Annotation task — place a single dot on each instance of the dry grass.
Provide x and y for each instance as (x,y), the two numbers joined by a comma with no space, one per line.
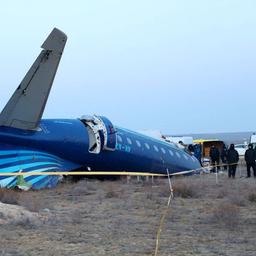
(122,218)
(222,192)
(9,196)
(226,214)
(237,199)
(82,188)
(148,191)
(25,223)
(186,189)
(92,185)
(112,190)
(28,200)
(252,197)
(32,203)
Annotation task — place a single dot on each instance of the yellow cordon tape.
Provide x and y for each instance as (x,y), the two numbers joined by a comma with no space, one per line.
(171,196)
(123,173)
(167,208)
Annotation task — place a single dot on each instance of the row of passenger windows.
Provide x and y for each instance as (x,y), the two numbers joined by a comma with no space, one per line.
(139,144)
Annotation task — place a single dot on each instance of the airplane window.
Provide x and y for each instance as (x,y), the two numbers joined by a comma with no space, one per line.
(185,157)
(129,141)
(147,146)
(178,154)
(138,143)
(170,152)
(163,150)
(156,148)
(119,139)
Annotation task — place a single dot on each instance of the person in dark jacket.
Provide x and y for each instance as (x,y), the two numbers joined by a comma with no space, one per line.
(249,158)
(191,149)
(232,159)
(223,156)
(215,158)
(198,152)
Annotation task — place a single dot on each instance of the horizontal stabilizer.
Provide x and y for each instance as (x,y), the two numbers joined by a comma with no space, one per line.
(25,108)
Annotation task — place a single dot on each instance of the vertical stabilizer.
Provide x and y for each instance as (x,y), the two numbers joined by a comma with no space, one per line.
(25,108)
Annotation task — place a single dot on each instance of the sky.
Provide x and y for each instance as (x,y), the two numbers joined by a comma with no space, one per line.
(178,66)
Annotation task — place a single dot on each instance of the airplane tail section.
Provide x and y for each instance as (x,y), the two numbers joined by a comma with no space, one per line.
(25,108)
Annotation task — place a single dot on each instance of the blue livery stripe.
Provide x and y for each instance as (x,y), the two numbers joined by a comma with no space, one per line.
(8,156)
(26,152)
(6,181)
(18,160)
(35,178)
(24,166)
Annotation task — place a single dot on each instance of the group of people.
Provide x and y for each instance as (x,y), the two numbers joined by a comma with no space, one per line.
(229,158)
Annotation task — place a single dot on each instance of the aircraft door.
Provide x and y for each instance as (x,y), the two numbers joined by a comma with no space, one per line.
(110,136)
(102,134)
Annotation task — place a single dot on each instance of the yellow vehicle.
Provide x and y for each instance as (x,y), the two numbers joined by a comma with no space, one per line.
(206,146)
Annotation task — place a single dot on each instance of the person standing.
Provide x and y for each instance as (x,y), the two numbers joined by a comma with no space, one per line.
(181,145)
(215,158)
(249,158)
(223,156)
(198,152)
(191,149)
(232,159)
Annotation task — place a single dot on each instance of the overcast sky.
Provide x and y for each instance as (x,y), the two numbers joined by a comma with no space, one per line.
(171,65)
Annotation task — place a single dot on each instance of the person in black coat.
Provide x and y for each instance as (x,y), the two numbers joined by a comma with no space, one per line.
(223,156)
(249,158)
(232,159)
(215,158)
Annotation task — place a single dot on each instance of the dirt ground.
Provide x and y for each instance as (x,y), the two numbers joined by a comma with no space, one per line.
(93,217)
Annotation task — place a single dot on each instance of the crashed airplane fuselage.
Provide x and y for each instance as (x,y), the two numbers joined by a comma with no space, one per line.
(92,143)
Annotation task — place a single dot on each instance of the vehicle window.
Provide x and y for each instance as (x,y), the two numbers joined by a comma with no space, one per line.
(240,146)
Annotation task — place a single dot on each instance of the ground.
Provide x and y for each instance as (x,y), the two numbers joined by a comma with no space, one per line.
(93,217)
